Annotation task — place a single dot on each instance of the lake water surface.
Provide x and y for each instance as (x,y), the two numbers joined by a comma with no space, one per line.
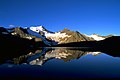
(63,62)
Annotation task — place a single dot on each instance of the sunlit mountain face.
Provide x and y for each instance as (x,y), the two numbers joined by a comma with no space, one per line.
(36,52)
(40,33)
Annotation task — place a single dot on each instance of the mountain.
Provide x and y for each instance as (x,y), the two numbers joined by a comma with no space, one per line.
(66,35)
(18,41)
(27,34)
(40,29)
(41,34)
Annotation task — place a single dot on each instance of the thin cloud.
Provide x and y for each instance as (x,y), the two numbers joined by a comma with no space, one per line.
(11,26)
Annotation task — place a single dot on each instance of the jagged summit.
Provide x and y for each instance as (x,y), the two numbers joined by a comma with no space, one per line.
(40,33)
(39,29)
(66,35)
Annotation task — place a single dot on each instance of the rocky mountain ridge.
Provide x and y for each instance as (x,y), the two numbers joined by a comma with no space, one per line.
(40,34)
(18,41)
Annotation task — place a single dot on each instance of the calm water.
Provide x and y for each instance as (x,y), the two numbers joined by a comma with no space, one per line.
(64,63)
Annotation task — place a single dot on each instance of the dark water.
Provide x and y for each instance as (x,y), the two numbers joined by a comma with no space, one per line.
(63,63)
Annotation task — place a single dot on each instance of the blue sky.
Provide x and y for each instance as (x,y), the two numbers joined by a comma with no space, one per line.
(86,16)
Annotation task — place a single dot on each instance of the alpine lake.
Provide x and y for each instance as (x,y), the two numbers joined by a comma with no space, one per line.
(62,62)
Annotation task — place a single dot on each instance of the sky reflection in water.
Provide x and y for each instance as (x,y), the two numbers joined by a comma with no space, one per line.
(53,64)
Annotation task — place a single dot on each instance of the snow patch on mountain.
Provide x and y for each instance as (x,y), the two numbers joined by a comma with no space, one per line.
(57,36)
(95,37)
(39,36)
(39,28)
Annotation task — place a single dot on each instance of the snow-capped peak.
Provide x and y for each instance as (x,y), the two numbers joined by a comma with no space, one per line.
(60,37)
(40,29)
(57,36)
(37,29)
(95,37)
(32,31)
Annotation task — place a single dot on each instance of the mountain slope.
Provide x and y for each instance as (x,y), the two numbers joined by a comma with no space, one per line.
(40,33)
(64,36)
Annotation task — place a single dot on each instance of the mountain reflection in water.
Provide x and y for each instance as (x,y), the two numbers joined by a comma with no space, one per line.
(63,62)
(62,53)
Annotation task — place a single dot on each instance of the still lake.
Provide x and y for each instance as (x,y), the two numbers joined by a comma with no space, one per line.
(62,62)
